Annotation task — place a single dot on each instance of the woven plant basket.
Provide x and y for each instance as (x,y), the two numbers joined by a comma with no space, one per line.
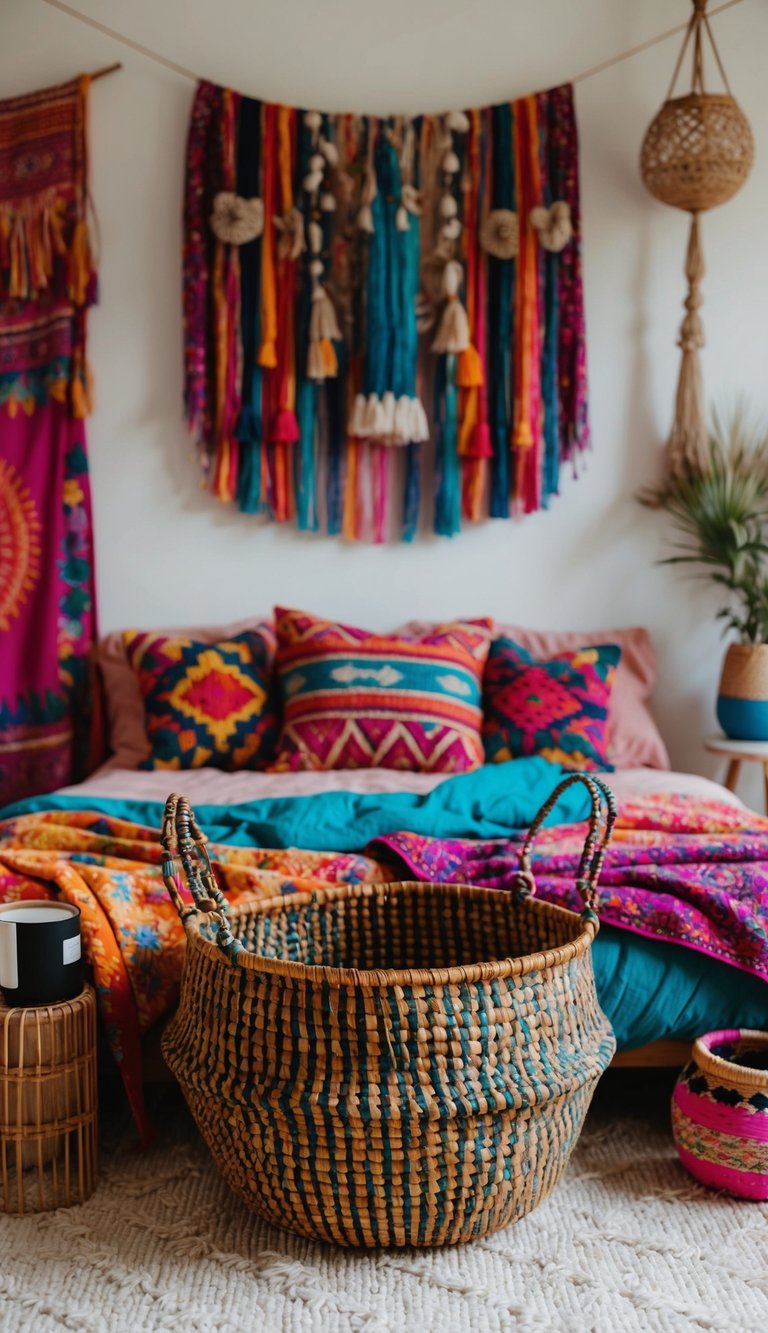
(742,699)
(389,1064)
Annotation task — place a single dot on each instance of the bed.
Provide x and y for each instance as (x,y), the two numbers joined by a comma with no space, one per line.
(659,995)
(683,945)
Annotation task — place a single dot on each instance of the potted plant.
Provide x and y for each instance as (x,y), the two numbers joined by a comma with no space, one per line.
(721,518)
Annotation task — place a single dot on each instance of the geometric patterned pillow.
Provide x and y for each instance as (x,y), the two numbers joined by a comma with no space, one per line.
(206,704)
(351,699)
(556,708)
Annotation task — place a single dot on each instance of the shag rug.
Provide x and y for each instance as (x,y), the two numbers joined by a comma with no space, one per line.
(627,1241)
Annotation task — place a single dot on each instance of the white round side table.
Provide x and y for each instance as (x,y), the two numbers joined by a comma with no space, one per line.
(738,753)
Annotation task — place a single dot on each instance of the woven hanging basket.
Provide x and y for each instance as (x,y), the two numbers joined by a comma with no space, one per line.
(389,1064)
(697,152)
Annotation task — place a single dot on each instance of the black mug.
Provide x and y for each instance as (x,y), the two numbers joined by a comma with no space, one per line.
(40,952)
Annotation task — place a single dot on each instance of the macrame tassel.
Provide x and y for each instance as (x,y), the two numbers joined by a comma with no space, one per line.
(687,443)
(329,358)
(30,244)
(453,330)
(323,331)
(323,324)
(322,362)
(285,427)
(470,374)
(81,391)
(79,269)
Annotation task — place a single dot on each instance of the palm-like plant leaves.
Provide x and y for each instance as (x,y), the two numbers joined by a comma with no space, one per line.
(721,517)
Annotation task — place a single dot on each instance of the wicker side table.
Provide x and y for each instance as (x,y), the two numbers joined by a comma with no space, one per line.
(48,1104)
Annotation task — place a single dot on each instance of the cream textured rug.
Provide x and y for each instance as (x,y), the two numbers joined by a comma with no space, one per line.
(627,1241)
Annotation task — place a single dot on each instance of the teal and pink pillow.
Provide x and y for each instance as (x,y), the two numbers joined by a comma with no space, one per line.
(351,699)
(206,704)
(557,707)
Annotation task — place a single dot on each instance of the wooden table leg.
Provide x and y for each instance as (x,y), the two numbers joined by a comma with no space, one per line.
(732,776)
(765,775)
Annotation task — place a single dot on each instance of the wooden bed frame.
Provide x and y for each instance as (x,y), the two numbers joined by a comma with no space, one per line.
(664,1054)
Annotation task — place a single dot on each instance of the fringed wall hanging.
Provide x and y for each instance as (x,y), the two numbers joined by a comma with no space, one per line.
(47,283)
(697,153)
(383,316)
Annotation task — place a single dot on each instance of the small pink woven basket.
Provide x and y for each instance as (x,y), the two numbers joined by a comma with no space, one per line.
(720,1112)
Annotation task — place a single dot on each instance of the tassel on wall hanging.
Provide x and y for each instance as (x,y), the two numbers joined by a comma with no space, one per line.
(697,153)
(383,315)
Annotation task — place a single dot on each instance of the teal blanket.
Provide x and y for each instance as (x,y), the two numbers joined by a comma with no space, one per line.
(649,989)
(492,802)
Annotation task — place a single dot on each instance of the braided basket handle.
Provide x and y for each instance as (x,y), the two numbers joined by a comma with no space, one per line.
(598,836)
(185,857)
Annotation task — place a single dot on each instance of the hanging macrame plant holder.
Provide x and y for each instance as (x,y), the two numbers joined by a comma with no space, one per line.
(696,154)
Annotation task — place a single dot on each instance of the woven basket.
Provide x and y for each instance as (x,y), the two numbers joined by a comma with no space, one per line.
(697,152)
(389,1064)
(720,1112)
(742,698)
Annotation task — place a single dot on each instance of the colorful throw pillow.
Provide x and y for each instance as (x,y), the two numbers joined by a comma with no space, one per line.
(557,708)
(206,704)
(351,699)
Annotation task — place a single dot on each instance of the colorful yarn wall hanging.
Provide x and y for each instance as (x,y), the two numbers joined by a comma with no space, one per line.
(383,315)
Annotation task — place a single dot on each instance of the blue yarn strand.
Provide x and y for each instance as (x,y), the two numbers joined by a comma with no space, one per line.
(448,496)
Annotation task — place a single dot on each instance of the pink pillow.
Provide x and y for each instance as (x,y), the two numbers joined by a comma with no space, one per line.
(352,699)
(125,705)
(634,740)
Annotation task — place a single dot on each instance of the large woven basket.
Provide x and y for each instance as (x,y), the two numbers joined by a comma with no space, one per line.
(389,1064)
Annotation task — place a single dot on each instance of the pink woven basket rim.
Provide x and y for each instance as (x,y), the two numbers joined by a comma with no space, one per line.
(730,1070)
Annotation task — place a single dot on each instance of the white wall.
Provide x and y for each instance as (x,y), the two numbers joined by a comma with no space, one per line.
(166,552)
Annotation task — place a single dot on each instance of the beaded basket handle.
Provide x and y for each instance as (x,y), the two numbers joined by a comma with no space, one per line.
(183,841)
(598,836)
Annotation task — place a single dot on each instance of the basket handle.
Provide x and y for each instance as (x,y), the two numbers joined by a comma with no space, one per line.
(593,854)
(185,857)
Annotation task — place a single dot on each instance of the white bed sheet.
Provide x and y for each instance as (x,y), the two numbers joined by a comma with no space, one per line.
(209,786)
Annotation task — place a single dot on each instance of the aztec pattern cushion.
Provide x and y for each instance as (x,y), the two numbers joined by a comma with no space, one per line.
(557,708)
(357,700)
(206,704)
